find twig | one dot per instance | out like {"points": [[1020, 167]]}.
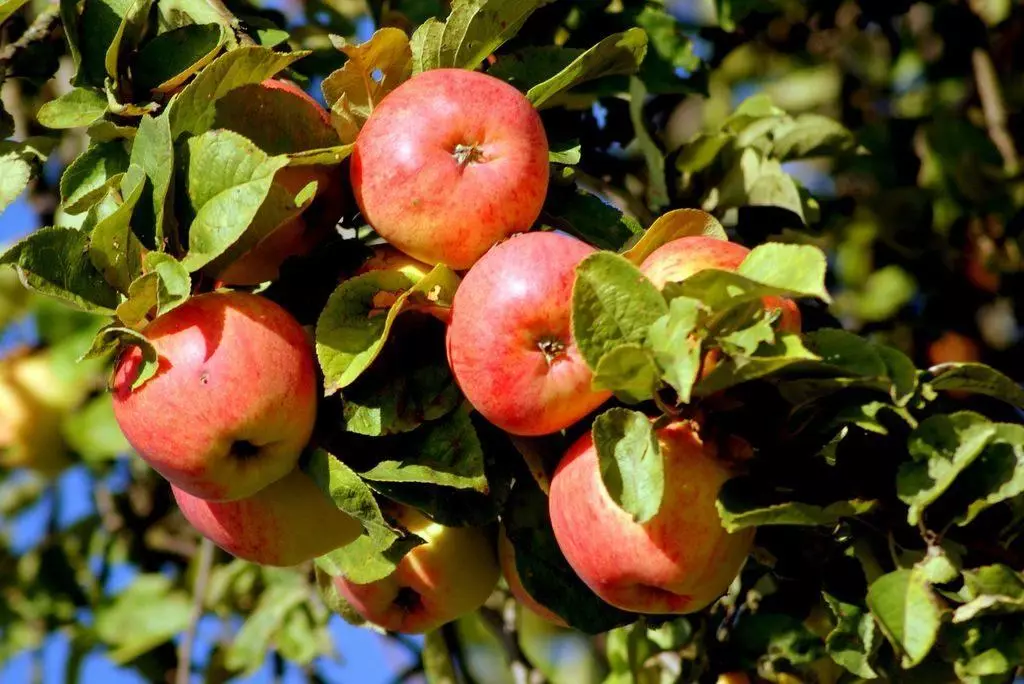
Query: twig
{"points": [[233, 22], [40, 29], [994, 108], [182, 676]]}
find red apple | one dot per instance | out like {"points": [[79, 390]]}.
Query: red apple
{"points": [[952, 347], [255, 111], [286, 523], [449, 576], [233, 401], [449, 163], [679, 561], [507, 560], [509, 342], [678, 260]]}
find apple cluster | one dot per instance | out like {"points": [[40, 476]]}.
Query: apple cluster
{"points": [[450, 168]]}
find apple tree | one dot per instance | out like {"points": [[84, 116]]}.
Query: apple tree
{"points": [[600, 341]]}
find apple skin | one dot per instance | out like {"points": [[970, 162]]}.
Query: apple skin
{"points": [[507, 560], [286, 523], [953, 347], [678, 260], [449, 576], [33, 403], [240, 111], [414, 191], [679, 561], [233, 401], [511, 306]]}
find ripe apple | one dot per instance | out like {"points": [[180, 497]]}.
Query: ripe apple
{"points": [[286, 523], [509, 343], [507, 560], [256, 111], [449, 576], [34, 400], [449, 163], [233, 401], [678, 260], [953, 347], [679, 561]]}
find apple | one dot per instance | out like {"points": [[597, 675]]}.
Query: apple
{"points": [[678, 260], [286, 523], [233, 401], [509, 342], [35, 400], [449, 576], [448, 164], [679, 561], [953, 347], [387, 258], [507, 560], [255, 111]]}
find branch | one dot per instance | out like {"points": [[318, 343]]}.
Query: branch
{"points": [[994, 107], [41, 29], [198, 595]]}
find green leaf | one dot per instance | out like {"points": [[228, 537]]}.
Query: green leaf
{"points": [[588, 217], [93, 433], [113, 248], [15, 175], [164, 285], [88, 177], [908, 611], [55, 262], [228, 180], [977, 378], [425, 45], [250, 646], [811, 135], [533, 64], [352, 91], [799, 269], [942, 447], [657, 187], [612, 304], [446, 452], [168, 60], [997, 475], [567, 152], [9, 7], [113, 338], [629, 371], [438, 661], [785, 354], [702, 151], [193, 111], [129, 33], [620, 53], [97, 28], [991, 590], [676, 349], [631, 464], [74, 109], [153, 151], [854, 642], [671, 226], [743, 502], [476, 28], [143, 616], [355, 324]]}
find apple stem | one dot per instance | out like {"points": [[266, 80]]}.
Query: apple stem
{"points": [[552, 348], [466, 155]]}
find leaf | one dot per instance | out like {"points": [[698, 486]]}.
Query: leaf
{"points": [[112, 338], [997, 475], [97, 27], [359, 314], [533, 64], [908, 612], [990, 590], [113, 248], [701, 152], [631, 464], [228, 180], [89, 176], [742, 503], [164, 285], [425, 45], [588, 217], [153, 151], [249, 648], [657, 187], [143, 616], [811, 135], [55, 262], [129, 32], [9, 7], [446, 453], [854, 642], [567, 152], [612, 304], [193, 111], [620, 53], [476, 28], [795, 268], [675, 347], [15, 175], [93, 433], [671, 226], [629, 371], [167, 61], [438, 662], [74, 109], [373, 70], [977, 378], [942, 446]]}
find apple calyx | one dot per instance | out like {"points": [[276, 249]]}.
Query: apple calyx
{"points": [[552, 348], [467, 154], [244, 450], [408, 600]]}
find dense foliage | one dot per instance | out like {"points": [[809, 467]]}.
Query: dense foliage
{"points": [[865, 151]]}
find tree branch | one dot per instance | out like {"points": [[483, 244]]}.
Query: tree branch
{"points": [[198, 595], [41, 28], [994, 108]]}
